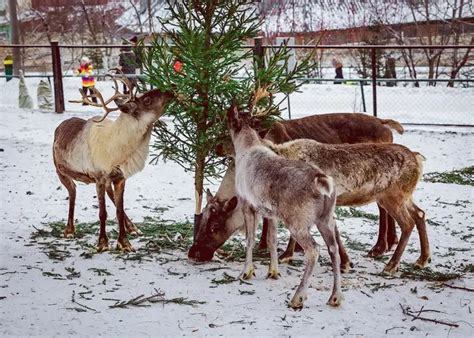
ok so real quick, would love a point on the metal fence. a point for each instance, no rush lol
(411, 101)
(402, 101)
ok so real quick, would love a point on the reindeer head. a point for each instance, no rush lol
(237, 120)
(213, 229)
(150, 104)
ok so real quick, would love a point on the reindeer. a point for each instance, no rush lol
(219, 220)
(106, 153)
(293, 191)
(364, 173)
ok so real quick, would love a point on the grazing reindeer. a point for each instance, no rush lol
(222, 216)
(364, 173)
(106, 153)
(293, 191)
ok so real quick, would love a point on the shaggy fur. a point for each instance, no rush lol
(217, 224)
(107, 153)
(364, 173)
(295, 192)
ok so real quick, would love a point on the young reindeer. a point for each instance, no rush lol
(106, 153)
(278, 188)
(365, 173)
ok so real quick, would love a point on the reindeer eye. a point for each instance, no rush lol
(213, 210)
(147, 101)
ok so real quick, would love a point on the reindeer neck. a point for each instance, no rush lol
(227, 187)
(246, 138)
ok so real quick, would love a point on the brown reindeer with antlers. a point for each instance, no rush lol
(107, 152)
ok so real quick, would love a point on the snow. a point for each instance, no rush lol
(32, 196)
(434, 105)
(314, 16)
(131, 21)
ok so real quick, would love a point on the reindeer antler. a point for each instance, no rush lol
(103, 103)
(125, 80)
(259, 93)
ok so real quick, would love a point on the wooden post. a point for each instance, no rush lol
(15, 38)
(361, 83)
(58, 78)
(374, 81)
(259, 52)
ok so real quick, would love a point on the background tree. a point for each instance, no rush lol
(207, 37)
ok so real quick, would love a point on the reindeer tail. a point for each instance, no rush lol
(324, 185)
(392, 124)
(419, 160)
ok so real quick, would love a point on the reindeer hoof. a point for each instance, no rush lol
(134, 231)
(346, 266)
(297, 302)
(102, 248)
(69, 232)
(422, 262)
(273, 274)
(124, 246)
(390, 270)
(103, 245)
(247, 275)
(285, 258)
(377, 251)
(335, 300)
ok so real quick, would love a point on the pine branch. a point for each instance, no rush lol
(157, 297)
(406, 311)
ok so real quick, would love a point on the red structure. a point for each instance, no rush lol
(40, 4)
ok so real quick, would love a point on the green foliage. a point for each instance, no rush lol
(354, 212)
(208, 38)
(464, 176)
(158, 236)
(426, 274)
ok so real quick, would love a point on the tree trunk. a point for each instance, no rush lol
(198, 188)
(203, 93)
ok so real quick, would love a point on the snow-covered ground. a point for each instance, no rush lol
(35, 301)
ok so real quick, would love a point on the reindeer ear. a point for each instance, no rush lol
(230, 204)
(208, 195)
(128, 108)
(233, 112)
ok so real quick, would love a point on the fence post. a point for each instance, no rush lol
(374, 80)
(361, 83)
(57, 78)
(259, 53)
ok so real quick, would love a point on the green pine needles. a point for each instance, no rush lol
(207, 39)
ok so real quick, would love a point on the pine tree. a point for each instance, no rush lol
(199, 56)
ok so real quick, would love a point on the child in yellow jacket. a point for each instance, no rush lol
(86, 71)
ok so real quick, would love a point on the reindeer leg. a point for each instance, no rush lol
(71, 189)
(272, 242)
(406, 223)
(311, 249)
(287, 256)
(346, 263)
(392, 239)
(419, 217)
(328, 232)
(381, 246)
(103, 244)
(122, 242)
(129, 226)
(264, 237)
(250, 221)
